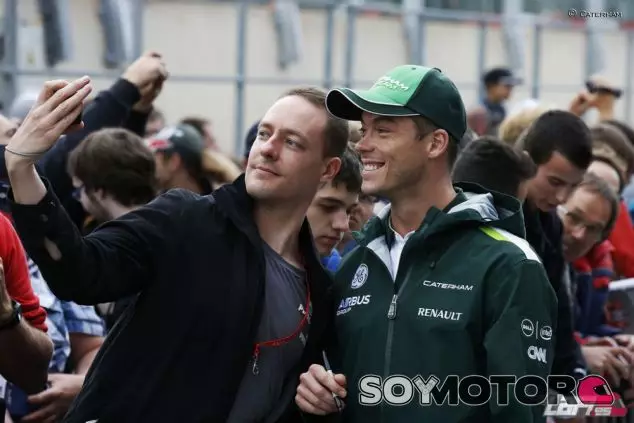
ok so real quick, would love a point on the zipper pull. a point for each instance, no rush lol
(256, 355)
(391, 314)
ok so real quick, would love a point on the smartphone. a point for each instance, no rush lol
(17, 403)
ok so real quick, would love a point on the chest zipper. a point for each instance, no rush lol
(392, 313)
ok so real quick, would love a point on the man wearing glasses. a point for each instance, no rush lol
(588, 217)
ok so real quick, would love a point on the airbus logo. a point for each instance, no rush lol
(348, 303)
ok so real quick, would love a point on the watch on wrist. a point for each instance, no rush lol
(14, 319)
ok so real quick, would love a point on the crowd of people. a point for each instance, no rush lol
(146, 276)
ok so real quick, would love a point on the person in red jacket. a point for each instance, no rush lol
(622, 238)
(25, 348)
(594, 271)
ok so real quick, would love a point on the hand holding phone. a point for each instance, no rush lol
(57, 108)
(79, 117)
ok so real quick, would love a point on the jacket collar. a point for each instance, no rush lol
(237, 205)
(472, 206)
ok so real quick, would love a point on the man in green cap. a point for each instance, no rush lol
(442, 283)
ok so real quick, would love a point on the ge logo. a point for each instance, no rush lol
(360, 276)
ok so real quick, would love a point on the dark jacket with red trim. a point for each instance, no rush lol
(197, 261)
(592, 275)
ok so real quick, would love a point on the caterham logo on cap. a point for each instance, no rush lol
(360, 276)
(391, 83)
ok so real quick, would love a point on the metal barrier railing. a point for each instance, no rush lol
(9, 69)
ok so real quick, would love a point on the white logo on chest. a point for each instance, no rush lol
(439, 314)
(360, 276)
(348, 303)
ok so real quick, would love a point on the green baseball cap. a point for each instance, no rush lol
(406, 90)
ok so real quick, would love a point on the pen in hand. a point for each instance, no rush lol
(338, 401)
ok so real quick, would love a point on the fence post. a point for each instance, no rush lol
(139, 21)
(594, 34)
(351, 19)
(412, 20)
(482, 42)
(537, 51)
(328, 49)
(242, 17)
(513, 31)
(9, 76)
(422, 32)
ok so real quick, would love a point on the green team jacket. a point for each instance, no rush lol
(470, 297)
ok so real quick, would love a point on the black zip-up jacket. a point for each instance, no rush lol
(544, 233)
(197, 261)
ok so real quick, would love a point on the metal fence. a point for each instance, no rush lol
(415, 15)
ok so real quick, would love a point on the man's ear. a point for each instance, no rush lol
(438, 145)
(332, 167)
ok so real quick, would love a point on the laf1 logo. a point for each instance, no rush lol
(593, 398)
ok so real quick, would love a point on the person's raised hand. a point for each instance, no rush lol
(54, 113)
(581, 103)
(612, 362)
(149, 93)
(147, 70)
(626, 341)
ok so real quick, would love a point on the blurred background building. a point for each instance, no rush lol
(230, 59)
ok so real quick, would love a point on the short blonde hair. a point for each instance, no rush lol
(513, 126)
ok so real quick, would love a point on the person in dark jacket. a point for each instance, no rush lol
(560, 144)
(487, 117)
(126, 103)
(113, 172)
(495, 166)
(329, 213)
(183, 161)
(233, 301)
